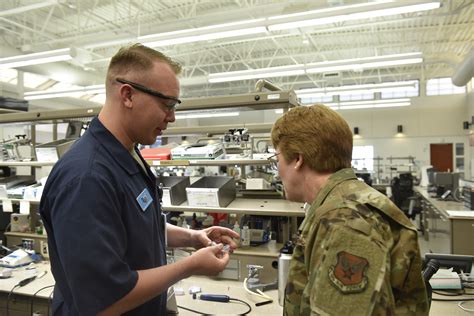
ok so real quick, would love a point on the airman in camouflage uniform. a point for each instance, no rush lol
(357, 253)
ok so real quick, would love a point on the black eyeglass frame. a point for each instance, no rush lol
(142, 88)
(273, 162)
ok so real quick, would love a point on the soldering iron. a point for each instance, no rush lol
(215, 298)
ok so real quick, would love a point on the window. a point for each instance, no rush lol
(8, 75)
(459, 151)
(443, 86)
(363, 158)
(356, 96)
(313, 100)
(402, 92)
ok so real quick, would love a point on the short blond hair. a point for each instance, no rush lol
(320, 134)
(136, 59)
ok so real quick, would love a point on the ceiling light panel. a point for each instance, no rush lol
(290, 70)
(76, 92)
(36, 58)
(349, 13)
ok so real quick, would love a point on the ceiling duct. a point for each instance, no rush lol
(13, 104)
(465, 71)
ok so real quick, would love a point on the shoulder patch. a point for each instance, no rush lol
(348, 275)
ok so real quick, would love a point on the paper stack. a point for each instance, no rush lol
(445, 279)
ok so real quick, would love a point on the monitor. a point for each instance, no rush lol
(443, 178)
(457, 262)
(447, 181)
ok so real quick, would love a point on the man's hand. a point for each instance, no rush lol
(209, 260)
(217, 234)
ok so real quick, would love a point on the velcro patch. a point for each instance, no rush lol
(348, 275)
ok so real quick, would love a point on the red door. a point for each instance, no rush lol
(441, 157)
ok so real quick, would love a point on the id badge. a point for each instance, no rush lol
(144, 199)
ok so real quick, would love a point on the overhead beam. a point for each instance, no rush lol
(26, 8)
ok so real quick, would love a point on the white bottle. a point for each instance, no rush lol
(245, 236)
(237, 230)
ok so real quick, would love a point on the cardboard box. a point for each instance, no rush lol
(19, 222)
(257, 184)
(211, 191)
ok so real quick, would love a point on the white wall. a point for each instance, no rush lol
(470, 119)
(429, 120)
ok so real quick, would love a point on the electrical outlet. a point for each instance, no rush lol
(44, 249)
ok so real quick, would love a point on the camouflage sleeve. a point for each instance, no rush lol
(406, 277)
(347, 264)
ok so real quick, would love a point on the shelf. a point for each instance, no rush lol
(267, 207)
(270, 249)
(206, 162)
(20, 200)
(25, 235)
(25, 164)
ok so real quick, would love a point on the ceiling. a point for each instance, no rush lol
(444, 36)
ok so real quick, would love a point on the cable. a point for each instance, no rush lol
(452, 300)
(50, 301)
(34, 295)
(230, 299)
(464, 308)
(191, 310)
(8, 298)
(260, 293)
(244, 302)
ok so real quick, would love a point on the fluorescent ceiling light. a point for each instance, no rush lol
(358, 102)
(383, 85)
(205, 115)
(26, 8)
(218, 31)
(239, 28)
(50, 94)
(357, 89)
(362, 104)
(373, 106)
(368, 104)
(364, 63)
(349, 13)
(291, 70)
(337, 65)
(206, 37)
(36, 58)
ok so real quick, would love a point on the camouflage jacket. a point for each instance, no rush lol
(357, 254)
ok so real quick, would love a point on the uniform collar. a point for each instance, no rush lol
(111, 144)
(336, 178)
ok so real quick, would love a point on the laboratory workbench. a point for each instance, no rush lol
(37, 294)
(447, 226)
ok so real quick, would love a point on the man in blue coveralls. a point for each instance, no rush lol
(101, 206)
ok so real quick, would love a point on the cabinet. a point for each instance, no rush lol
(444, 233)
